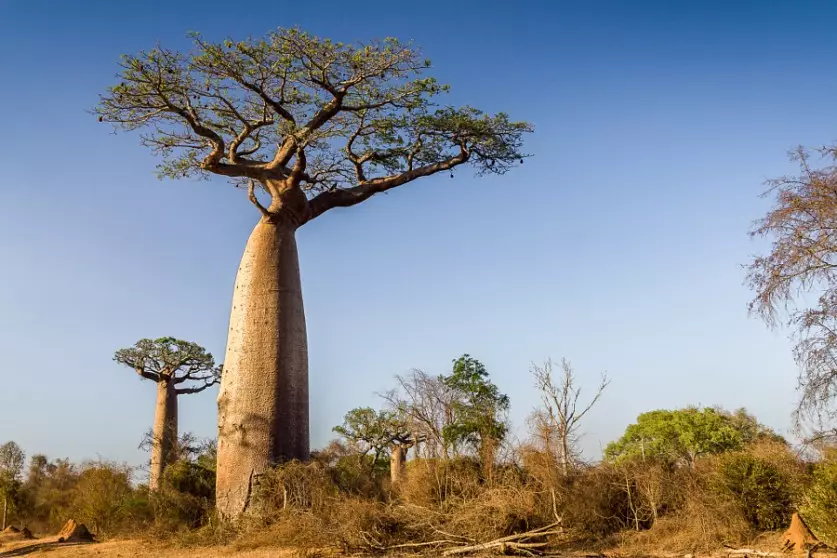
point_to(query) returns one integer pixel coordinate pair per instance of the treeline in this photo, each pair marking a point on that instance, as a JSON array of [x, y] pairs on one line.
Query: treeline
[[434, 466]]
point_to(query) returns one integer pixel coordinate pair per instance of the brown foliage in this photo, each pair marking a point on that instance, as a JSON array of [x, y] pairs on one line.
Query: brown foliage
[[803, 258]]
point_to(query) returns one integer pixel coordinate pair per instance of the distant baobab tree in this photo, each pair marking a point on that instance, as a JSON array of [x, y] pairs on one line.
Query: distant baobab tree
[[179, 368], [315, 125]]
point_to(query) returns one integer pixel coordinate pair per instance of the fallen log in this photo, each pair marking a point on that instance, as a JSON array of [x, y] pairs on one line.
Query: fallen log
[[517, 541], [503, 546]]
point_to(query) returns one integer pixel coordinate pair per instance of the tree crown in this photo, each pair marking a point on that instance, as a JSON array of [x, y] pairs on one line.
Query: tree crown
[[684, 434], [480, 404], [374, 430], [339, 122], [172, 360]]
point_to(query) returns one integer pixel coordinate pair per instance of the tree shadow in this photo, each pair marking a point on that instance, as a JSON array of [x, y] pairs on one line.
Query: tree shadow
[[37, 547]]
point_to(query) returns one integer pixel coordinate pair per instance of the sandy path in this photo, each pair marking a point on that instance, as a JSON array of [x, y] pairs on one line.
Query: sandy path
[[128, 549]]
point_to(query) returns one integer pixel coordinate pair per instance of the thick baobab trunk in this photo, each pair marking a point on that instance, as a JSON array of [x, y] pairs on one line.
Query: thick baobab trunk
[[263, 402], [164, 434]]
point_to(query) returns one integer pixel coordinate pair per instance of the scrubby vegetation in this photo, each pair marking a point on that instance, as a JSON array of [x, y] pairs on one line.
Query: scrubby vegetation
[[686, 480]]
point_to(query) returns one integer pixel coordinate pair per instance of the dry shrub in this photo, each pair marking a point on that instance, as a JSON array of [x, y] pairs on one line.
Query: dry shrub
[[495, 513], [593, 501], [819, 508], [356, 524], [435, 483], [356, 475], [295, 485], [295, 528], [703, 519], [215, 533]]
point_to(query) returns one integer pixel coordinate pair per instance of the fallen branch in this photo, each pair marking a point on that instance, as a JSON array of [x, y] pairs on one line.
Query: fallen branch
[[503, 546], [750, 551], [421, 544], [511, 542]]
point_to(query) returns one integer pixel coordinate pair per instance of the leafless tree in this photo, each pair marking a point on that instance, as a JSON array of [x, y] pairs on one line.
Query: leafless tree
[[428, 406], [556, 422], [795, 284]]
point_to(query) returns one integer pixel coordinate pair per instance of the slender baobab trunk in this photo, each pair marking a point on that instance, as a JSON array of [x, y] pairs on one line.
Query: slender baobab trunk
[[398, 464], [263, 402], [164, 434]]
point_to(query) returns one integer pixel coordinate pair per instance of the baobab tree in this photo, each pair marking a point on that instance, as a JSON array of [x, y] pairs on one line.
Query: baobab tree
[[314, 125], [179, 368], [376, 433]]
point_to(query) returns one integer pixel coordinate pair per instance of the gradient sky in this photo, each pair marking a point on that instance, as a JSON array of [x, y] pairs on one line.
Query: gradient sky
[[619, 245]]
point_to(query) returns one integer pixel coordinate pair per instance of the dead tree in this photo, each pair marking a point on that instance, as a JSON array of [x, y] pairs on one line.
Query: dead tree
[[559, 417]]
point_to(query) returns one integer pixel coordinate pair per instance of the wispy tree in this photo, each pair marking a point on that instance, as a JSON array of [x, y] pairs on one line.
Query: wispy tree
[[559, 416], [795, 282]]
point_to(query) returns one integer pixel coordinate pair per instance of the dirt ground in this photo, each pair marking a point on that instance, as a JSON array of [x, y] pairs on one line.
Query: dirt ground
[[129, 549]]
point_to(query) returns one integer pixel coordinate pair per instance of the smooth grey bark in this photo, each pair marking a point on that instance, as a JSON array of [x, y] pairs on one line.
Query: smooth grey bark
[[164, 434], [263, 401]]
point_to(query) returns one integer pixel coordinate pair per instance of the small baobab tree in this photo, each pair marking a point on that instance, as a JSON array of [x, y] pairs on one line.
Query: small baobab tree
[[379, 433], [178, 368], [315, 125], [557, 420]]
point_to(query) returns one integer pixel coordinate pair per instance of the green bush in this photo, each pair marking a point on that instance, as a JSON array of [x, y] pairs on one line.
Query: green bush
[[758, 488], [105, 500], [186, 497], [819, 508]]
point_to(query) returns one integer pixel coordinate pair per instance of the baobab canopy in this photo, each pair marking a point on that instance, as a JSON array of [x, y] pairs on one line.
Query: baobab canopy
[[317, 125], [342, 121]]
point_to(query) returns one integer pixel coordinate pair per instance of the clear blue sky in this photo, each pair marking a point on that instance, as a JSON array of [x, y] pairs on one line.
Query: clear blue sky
[[618, 245]]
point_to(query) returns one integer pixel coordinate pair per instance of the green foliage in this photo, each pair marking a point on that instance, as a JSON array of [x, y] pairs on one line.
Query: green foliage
[[237, 103], [373, 431], [11, 466], [170, 359], [684, 434], [186, 496], [104, 499], [819, 508], [479, 407], [759, 489], [48, 493]]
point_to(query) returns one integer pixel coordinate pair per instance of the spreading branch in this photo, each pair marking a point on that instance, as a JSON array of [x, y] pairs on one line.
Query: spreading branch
[[802, 261], [173, 361], [251, 195], [339, 122]]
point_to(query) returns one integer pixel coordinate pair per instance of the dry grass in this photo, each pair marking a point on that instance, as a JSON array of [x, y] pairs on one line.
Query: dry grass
[[144, 549]]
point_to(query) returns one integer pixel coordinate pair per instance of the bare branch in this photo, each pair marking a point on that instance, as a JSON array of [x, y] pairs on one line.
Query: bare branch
[[251, 195], [353, 196]]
